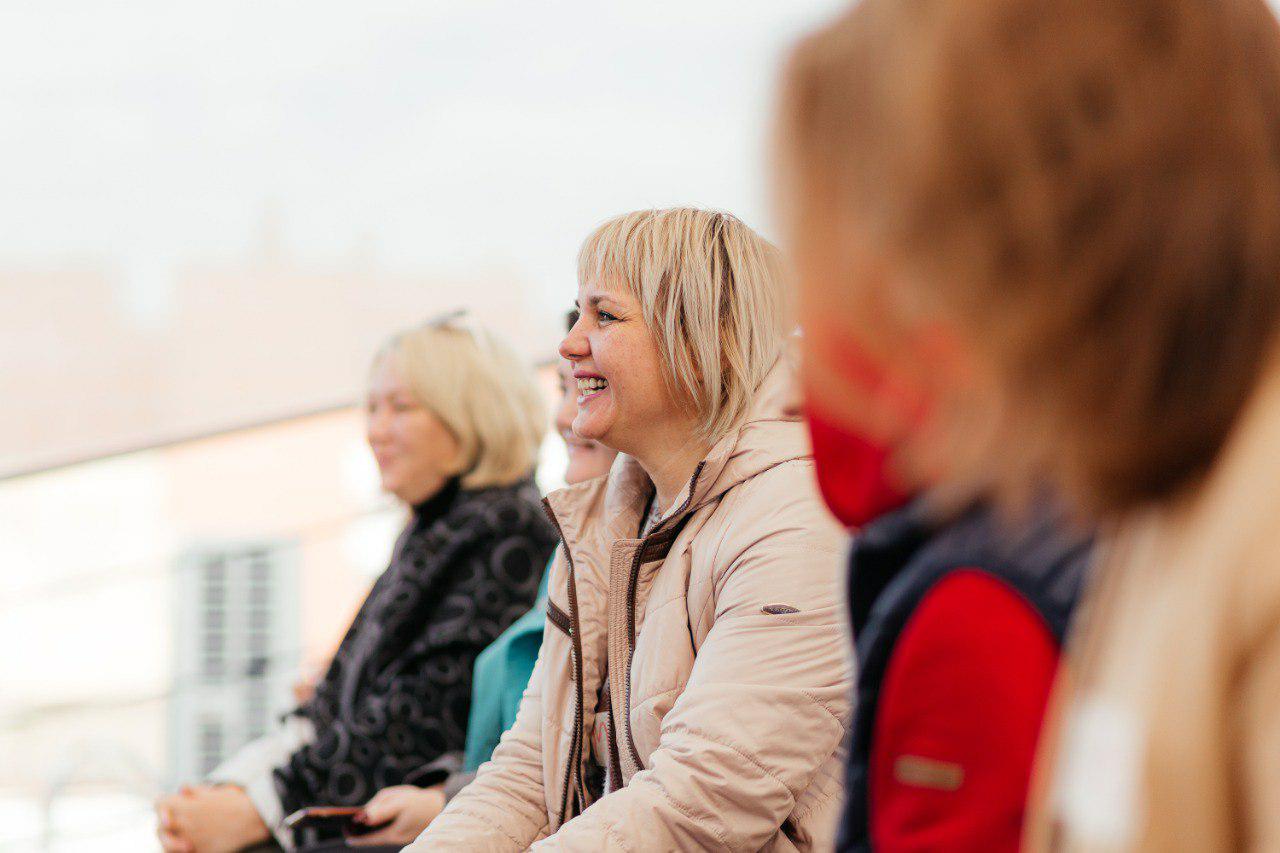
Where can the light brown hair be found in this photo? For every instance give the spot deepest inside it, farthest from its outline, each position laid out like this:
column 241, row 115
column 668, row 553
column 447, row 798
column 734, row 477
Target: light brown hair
column 484, row 393
column 1088, row 192
column 710, row 289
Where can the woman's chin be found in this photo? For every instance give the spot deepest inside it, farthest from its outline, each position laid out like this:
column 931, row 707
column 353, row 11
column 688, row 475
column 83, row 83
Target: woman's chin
column 393, row 486
column 589, row 429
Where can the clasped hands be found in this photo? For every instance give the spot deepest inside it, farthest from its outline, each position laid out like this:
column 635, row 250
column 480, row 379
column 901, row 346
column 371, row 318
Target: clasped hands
column 222, row 818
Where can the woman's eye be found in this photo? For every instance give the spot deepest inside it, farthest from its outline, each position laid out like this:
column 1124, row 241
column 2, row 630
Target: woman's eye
column 605, row 317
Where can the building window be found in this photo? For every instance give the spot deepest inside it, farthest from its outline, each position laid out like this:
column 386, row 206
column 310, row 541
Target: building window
column 236, row 629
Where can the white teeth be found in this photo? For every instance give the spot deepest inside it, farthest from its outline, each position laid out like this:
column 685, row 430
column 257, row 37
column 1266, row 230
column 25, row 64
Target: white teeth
column 591, row 385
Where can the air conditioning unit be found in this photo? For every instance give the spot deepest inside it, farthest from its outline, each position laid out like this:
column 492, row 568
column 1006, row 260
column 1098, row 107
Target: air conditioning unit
column 236, row 650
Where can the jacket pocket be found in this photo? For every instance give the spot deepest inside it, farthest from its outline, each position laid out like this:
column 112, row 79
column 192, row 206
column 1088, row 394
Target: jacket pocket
column 559, row 618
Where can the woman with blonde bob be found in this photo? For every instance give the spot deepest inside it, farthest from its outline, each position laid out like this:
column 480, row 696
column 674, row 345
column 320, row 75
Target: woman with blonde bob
column 1070, row 214
column 454, row 420
column 692, row 689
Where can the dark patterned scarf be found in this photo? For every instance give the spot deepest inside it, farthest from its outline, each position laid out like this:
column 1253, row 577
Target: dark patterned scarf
column 398, row 692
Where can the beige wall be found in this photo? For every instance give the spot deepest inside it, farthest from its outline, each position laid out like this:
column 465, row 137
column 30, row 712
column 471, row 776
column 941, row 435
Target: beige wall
column 245, row 340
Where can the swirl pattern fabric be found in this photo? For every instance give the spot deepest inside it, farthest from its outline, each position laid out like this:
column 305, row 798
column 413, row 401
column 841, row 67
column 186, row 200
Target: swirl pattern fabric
column 398, row 692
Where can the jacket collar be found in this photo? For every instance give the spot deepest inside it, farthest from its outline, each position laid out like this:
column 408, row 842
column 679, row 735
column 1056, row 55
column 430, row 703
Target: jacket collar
column 611, row 507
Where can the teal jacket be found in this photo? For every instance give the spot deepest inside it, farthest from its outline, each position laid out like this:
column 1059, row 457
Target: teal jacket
column 501, row 674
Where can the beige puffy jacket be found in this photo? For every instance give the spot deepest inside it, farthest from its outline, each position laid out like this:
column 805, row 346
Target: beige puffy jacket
column 1166, row 734
column 723, row 636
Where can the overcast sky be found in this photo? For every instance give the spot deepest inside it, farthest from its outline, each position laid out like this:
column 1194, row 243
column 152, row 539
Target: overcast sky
column 443, row 134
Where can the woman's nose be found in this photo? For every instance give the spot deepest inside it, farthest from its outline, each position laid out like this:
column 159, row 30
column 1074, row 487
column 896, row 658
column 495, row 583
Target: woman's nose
column 376, row 425
column 574, row 346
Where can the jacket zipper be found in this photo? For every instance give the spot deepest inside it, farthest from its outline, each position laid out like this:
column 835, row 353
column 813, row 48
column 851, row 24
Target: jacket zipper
column 575, row 636
column 633, row 582
column 559, row 618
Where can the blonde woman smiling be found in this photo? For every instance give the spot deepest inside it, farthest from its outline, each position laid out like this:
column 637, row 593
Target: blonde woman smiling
column 692, row 690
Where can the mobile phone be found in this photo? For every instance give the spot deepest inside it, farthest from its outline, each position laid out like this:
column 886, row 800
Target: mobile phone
column 329, row 820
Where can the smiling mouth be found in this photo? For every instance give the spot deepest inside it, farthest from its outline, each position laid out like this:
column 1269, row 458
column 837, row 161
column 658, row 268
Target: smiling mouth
column 590, row 387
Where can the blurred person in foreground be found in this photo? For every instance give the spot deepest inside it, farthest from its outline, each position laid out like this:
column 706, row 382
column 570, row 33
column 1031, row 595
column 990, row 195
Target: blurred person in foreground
column 501, row 675
column 693, row 687
column 454, row 420
column 959, row 609
column 1075, row 207
column 959, row 615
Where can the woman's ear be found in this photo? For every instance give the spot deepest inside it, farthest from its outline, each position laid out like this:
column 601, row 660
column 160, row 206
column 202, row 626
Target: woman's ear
column 793, row 399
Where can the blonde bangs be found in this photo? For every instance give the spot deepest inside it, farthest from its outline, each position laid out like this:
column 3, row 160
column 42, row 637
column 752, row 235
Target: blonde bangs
column 710, row 291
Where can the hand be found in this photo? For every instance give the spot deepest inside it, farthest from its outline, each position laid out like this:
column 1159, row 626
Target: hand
column 171, row 841
column 209, row 819
column 305, row 687
column 406, row 809
column 308, row 677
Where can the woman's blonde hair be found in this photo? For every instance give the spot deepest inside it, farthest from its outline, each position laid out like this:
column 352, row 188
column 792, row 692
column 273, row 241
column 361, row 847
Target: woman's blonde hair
column 481, row 390
column 710, row 291
column 1088, row 192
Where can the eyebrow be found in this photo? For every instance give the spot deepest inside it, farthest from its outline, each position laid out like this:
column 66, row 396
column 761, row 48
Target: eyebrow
column 593, row 301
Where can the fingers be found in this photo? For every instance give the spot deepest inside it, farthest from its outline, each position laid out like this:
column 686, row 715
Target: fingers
column 387, row 804
column 371, row 840
column 169, row 829
column 392, row 834
column 381, row 810
column 171, row 843
column 407, row 810
column 164, row 813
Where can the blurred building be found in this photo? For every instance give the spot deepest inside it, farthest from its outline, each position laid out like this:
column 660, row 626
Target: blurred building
column 238, row 341
column 79, row 367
